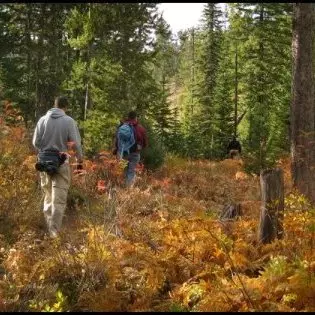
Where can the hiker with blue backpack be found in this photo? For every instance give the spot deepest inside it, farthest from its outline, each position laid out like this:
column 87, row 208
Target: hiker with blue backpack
column 131, row 138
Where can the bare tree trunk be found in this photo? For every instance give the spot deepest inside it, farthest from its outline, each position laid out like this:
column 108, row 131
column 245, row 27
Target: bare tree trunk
column 313, row 47
column 302, row 108
column 272, row 194
column 88, row 71
column 28, row 41
column 86, row 100
column 40, row 93
column 236, row 94
column 193, row 70
column 261, row 99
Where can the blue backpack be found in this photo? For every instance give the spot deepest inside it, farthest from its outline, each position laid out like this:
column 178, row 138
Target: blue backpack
column 125, row 139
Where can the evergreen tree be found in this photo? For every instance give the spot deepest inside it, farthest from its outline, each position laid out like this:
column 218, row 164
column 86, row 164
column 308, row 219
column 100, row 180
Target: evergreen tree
column 209, row 63
column 265, row 71
column 188, row 77
column 164, row 70
column 224, row 98
column 36, row 55
column 112, row 71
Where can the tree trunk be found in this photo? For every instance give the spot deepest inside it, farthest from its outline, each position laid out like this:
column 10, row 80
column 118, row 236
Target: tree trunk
column 261, row 99
column 271, row 216
column 302, row 109
column 313, row 47
column 236, row 93
column 29, row 59
column 193, row 70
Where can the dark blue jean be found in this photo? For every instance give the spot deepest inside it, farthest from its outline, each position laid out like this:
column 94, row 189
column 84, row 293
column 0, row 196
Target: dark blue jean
column 130, row 170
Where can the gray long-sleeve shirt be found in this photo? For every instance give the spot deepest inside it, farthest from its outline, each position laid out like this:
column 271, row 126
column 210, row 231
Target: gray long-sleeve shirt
column 54, row 130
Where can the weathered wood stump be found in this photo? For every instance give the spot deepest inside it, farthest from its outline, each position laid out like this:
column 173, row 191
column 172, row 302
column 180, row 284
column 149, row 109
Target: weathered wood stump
column 272, row 196
column 230, row 212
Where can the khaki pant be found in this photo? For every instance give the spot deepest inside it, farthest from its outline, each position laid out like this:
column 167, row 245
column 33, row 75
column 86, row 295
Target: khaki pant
column 56, row 190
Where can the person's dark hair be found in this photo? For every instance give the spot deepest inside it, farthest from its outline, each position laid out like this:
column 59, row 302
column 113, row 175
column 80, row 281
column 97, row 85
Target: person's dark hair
column 132, row 115
column 61, row 102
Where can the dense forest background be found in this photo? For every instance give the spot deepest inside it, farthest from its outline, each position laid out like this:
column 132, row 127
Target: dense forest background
column 193, row 91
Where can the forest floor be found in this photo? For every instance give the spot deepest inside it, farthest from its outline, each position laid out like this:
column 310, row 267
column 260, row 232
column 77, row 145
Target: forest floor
column 159, row 246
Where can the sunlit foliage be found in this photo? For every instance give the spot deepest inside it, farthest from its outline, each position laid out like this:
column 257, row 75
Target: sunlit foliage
column 158, row 246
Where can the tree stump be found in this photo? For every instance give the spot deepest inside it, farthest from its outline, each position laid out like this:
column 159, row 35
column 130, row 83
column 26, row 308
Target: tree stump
column 272, row 195
column 230, row 212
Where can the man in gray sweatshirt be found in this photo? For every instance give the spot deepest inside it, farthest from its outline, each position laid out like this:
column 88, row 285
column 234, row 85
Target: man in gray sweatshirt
column 53, row 132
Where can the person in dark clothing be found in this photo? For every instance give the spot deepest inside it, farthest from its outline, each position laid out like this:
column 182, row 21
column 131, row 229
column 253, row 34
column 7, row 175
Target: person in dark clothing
column 234, row 148
column 133, row 155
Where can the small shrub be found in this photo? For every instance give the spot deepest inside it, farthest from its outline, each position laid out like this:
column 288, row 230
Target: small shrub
column 153, row 156
column 98, row 132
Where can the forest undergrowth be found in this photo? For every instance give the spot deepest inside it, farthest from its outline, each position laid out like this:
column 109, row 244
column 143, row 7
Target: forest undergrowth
column 159, row 246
